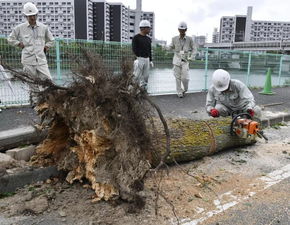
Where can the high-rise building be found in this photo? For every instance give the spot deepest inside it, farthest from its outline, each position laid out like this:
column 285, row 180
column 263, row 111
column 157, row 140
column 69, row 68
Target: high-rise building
column 215, row 36
column 119, row 22
column 59, row 15
column 79, row 19
column 83, row 17
column 136, row 15
column 101, row 20
column 115, row 22
column 199, row 40
column 241, row 28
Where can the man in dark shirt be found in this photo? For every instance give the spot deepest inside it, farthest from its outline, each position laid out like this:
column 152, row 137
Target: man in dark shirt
column 141, row 46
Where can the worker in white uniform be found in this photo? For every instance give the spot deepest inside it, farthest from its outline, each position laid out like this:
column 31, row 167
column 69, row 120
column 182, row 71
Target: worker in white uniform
column 141, row 46
column 228, row 96
column 35, row 39
column 184, row 51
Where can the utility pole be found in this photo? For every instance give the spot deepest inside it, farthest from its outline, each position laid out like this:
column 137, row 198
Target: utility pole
column 138, row 15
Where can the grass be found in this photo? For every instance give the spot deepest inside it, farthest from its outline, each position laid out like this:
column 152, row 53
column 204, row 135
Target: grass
column 6, row 194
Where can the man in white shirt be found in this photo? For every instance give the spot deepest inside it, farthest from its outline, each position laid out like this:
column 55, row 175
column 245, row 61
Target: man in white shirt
column 184, row 51
column 35, row 39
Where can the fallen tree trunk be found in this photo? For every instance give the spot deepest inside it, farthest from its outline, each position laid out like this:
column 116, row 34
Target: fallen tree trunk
column 101, row 129
column 194, row 139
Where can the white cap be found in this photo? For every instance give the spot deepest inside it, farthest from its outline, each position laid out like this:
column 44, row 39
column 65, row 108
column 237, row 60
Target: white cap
column 182, row 26
column 144, row 23
column 29, row 9
column 221, row 80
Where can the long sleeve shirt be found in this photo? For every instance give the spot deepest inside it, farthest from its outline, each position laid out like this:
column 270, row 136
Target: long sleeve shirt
column 183, row 48
column 141, row 46
column 238, row 97
column 34, row 40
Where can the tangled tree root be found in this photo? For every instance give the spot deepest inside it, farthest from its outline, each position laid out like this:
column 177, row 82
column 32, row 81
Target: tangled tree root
column 98, row 128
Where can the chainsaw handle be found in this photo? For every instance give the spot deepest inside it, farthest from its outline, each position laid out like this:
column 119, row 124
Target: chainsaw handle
column 236, row 117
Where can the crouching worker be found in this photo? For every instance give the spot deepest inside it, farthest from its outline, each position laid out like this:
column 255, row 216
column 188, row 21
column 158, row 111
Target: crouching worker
column 228, row 96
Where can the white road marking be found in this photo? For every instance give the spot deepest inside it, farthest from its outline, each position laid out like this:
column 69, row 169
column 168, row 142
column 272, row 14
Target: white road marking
column 232, row 200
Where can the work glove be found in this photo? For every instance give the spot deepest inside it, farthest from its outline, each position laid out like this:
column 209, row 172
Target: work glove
column 91, row 79
column 151, row 64
column 214, row 113
column 251, row 112
column 191, row 58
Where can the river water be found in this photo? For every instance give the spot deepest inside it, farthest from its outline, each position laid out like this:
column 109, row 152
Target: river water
column 161, row 81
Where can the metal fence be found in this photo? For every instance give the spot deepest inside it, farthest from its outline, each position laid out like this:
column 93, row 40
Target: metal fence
column 249, row 67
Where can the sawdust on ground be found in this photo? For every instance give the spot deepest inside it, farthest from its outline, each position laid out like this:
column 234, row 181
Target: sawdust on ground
column 186, row 191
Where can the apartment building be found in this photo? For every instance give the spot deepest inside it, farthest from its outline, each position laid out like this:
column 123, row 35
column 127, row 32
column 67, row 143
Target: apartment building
column 59, row 14
column 119, row 22
column 79, row 19
column 241, row 28
column 101, row 20
column 199, row 40
column 215, row 36
column 83, row 18
column 66, row 18
column 134, row 22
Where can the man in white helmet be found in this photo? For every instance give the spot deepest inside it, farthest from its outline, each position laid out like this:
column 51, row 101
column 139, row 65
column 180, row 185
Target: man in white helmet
column 184, row 51
column 35, row 39
column 141, row 46
column 227, row 96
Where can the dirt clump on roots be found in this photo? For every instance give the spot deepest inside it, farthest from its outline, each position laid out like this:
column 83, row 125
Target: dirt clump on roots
column 98, row 129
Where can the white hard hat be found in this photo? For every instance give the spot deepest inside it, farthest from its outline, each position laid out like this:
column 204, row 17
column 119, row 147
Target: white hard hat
column 29, row 9
column 221, row 80
column 144, row 23
column 182, row 26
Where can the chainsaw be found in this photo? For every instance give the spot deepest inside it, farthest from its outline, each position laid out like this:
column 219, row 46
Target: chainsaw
column 245, row 127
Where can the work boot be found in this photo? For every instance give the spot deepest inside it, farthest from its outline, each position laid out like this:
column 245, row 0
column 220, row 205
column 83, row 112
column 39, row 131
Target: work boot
column 183, row 93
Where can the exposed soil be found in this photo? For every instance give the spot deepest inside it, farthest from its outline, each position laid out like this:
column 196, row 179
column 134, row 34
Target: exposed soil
column 58, row 202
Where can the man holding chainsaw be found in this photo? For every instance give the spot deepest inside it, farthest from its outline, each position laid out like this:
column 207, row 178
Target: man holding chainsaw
column 228, row 96
column 184, row 51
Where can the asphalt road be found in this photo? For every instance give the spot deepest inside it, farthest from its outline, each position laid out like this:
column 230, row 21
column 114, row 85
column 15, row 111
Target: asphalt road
column 253, row 205
column 260, row 210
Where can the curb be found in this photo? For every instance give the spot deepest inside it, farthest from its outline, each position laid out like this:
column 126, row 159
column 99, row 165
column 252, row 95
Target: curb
column 9, row 183
column 275, row 120
column 20, row 136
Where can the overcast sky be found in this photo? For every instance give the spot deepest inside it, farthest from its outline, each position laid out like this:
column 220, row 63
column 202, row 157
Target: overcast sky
column 203, row 15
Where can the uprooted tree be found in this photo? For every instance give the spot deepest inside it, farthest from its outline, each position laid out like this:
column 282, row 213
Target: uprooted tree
column 98, row 128
column 102, row 128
